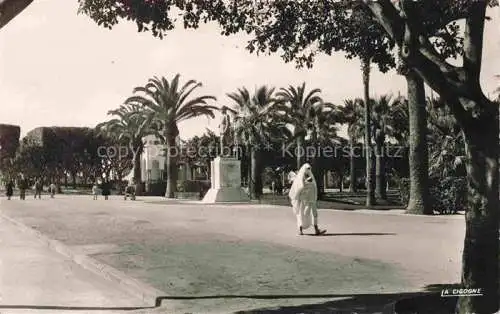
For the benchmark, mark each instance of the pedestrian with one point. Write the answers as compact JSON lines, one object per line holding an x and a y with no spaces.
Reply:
{"x":130,"y":191}
{"x":52,"y":189}
{"x":95,"y":191}
{"x":279,"y":187}
{"x":303,"y":196}
{"x":106,"y":189}
{"x":22,"y":185}
{"x":38,"y":188}
{"x":9,"y":187}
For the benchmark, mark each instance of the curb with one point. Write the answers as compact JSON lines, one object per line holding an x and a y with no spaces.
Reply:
{"x":142,"y":291}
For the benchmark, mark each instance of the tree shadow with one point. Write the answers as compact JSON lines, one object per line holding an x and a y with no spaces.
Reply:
{"x":350,"y":234}
{"x":400,"y":303}
{"x":423,"y":302}
{"x":72,"y":308}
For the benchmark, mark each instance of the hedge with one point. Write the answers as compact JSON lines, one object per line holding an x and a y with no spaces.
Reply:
{"x":447,"y":195}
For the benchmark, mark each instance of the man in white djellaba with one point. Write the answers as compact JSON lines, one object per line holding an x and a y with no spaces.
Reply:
{"x":303,"y":196}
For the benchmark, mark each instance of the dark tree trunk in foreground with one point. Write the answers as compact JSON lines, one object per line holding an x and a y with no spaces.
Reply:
{"x":480,"y":264}
{"x":352,"y":169}
{"x":460,"y":88}
{"x":370,"y":193}
{"x":419,"y":202}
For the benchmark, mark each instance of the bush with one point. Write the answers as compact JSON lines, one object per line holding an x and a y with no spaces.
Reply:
{"x":447,"y":195}
{"x":193,"y":185}
{"x":156,"y":188}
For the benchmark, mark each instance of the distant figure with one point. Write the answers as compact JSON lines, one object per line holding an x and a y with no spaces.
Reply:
{"x":279,"y":187}
{"x":95,"y":191}
{"x":22,"y":185}
{"x":38,"y":188}
{"x":130,"y":191}
{"x":303,"y":196}
{"x":106,"y":189}
{"x":9,"y":189}
{"x":52,"y":189}
{"x":273,"y":187}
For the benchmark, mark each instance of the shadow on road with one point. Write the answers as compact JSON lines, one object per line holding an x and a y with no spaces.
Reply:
{"x":71,"y":308}
{"x":397,"y":303}
{"x":425,"y":302}
{"x":350,"y":234}
{"x":429,"y":301}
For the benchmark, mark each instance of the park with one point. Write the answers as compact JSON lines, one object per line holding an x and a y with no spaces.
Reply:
{"x":184,"y":198}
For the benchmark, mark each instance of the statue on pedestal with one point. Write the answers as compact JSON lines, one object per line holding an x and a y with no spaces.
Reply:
{"x":225,"y":132}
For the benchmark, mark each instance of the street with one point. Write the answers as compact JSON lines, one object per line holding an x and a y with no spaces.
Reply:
{"x":198,"y":253}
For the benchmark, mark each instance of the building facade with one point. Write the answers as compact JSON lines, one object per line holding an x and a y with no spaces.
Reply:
{"x":153,"y":160}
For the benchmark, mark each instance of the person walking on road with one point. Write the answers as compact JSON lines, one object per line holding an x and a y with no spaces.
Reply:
{"x":303,"y":196}
{"x":130,"y":190}
{"x":52,"y":189}
{"x":95,"y":191}
{"x":22,"y":185}
{"x":38,"y":188}
{"x":106,"y":189}
{"x":9,"y":187}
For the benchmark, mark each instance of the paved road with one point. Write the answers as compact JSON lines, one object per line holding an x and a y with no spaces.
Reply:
{"x":34,"y":277}
{"x":187,"y":249}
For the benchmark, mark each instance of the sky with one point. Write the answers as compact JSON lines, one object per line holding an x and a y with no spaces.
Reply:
{"x":58,"y":68}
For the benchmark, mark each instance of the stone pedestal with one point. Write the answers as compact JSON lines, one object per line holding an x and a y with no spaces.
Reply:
{"x":225,"y":182}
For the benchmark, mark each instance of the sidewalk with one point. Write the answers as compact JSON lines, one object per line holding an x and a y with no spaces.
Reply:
{"x":35,"y":279}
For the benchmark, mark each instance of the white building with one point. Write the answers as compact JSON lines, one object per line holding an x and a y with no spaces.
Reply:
{"x":153,"y":160}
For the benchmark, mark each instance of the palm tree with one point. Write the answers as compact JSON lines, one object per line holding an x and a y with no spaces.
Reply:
{"x":132,"y":124}
{"x":366,"y":69}
{"x":446,"y":141}
{"x":383,"y":110}
{"x":418,"y":155}
{"x":254,"y":128}
{"x":323,"y":134}
{"x":169,"y":104}
{"x":351,"y":115}
{"x":399,"y":121}
{"x":298,"y":109}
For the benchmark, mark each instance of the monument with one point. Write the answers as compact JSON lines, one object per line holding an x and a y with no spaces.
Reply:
{"x":225,"y":170}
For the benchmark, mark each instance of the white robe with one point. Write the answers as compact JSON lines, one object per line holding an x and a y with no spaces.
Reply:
{"x":303,"y":196}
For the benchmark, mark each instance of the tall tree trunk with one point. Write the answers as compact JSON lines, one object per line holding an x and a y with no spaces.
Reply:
{"x":480,"y":261}
{"x":341,"y":184}
{"x":136,"y":171}
{"x":419,"y":202}
{"x":171,"y":167}
{"x":352,"y":169}
{"x":370,"y":193}
{"x":319,"y":173}
{"x":380,"y":175}
{"x":253,"y":184}
{"x":460,"y":87}
{"x":300,"y":152}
